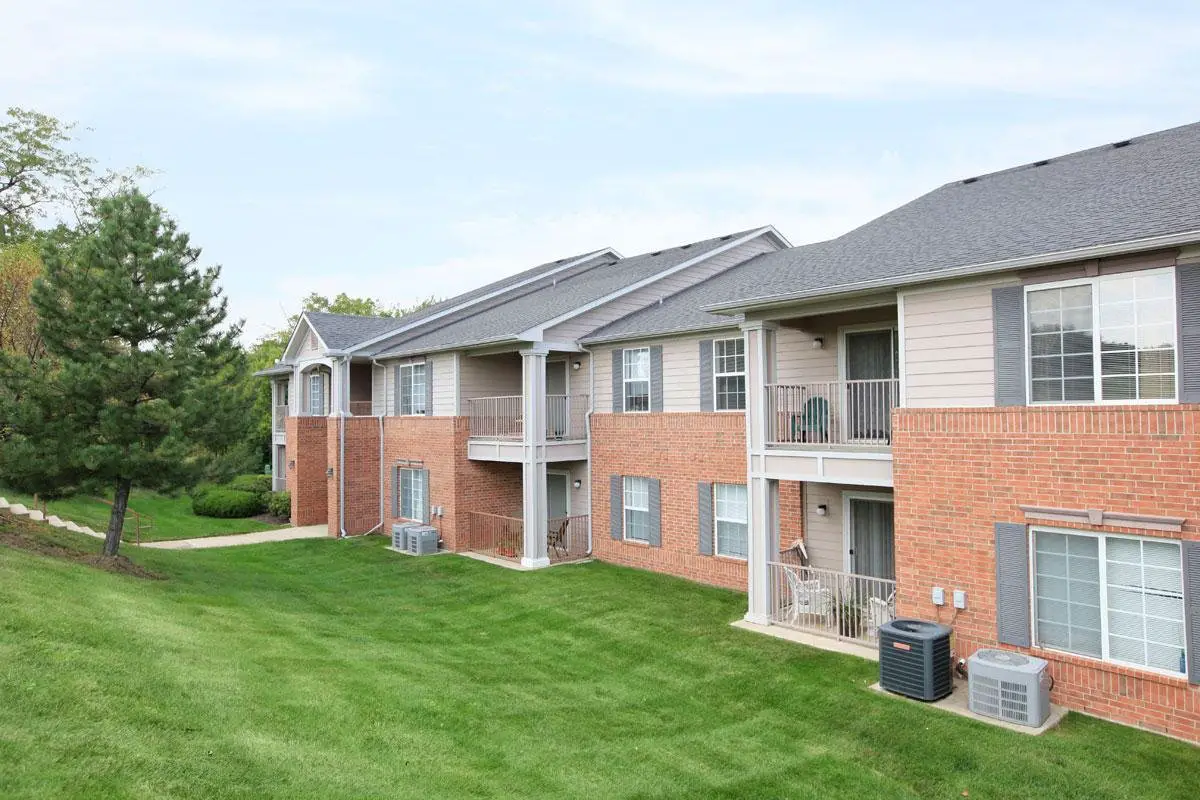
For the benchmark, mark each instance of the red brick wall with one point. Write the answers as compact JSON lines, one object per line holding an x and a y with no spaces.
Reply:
{"x":680,"y":449}
{"x":361,"y":456}
{"x":957,"y":472}
{"x":307,"y":482}
{"x":791,"y":512}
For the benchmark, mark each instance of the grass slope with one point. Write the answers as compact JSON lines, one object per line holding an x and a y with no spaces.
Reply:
{"x":328,"y":668}
{"x":172,"y":516}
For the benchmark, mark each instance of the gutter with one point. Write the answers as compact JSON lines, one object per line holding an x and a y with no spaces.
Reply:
{"x":982,"y":268}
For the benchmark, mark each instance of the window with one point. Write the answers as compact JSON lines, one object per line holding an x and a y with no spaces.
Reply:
{"x":412,"y":389}
{"x":637,"y":379}
{"x":1110,"y":339}
{"x":1119,"y":598}
{"x":414,"y":493}
{"x":316,"y":393}
{"x":729,"y":374}
{"x":637,"y":510}
{"x":729,"y":500}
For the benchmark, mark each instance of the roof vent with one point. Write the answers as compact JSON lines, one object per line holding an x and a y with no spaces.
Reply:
{"x":1122,"y":143}
{"x":684,"y":246}
{"x":969,"y":180}
{"x":1040,"y":163}
{"x":726,"y":238}
{"x":656,"y":253}
{"x":560,"y":261}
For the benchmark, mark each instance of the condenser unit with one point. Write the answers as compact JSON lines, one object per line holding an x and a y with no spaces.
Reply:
{"x":400,"y":535}
{"x":1009,"y":686}
{"x":914,"y":659}
{"x":422,"y":540}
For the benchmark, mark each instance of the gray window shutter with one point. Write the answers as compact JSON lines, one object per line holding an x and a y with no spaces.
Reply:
{"x":395,"y":492}
{"x":704,"y":500}
{"x":425,"y":494}
{"x":706,"y":376}
{"x":616,"y":507}
{"x":655,"y":512}
{"x":1012,"y":585}
{"x":1191,"y":608}
{"x":1008,"y":324}
{"x":618,"y":380}
{"x":1187,"y":312}
{"x":428,"y":388}
{"x":396,"y":391}
{"x":656,"y":378}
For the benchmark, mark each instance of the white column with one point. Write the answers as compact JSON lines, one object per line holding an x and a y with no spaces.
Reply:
{"x":760,"y":370}
{"x":339,"y":387}
{"x":533,"y":467}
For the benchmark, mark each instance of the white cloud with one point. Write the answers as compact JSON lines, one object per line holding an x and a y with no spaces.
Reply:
{"x":709,"y":48}
{"x":73,"y":50}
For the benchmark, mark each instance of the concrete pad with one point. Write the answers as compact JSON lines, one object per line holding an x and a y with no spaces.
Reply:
{"x":258,"y":537}
{"x":3,"y":503}
{"x":37,"y":516}
{"x":73,"y":528}
{"x":956,"y":703}
{"x":55,"y":522}
{"x":811,"y":639}
{"x":18,"y":510}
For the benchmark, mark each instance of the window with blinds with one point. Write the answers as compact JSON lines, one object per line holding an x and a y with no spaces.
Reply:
{"x":730,"y":514}
{"x":637,"y":509}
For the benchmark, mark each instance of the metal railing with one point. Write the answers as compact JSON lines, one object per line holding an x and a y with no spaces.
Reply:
{"x":495,"y":535}
{"x":842,"y":605}
{"x":566,"y":416}
{"x":496,"y":417}
{"x":833,"y":413}
{"x":281,"y":415}
{"x":567,"y":538}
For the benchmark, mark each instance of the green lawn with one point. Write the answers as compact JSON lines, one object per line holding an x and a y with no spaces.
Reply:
{"x":326,"y":668}
{"x":170,"y":517}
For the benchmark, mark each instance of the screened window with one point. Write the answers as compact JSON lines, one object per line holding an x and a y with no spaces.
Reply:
{"x":637,"y":379}
{"x":729,"y":374}
{"x":1110,"y":338}
{"x":414,"y":493}
{"x":316,"y":393}
{"x":1113,"y":597}
{"x":412,"y":389}
{"x":637,"y":509}
{"x":729,"y":502}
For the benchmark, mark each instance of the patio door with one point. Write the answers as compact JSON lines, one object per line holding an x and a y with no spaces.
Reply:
{"x":558,"y":495}
{"x":870,"y":537}
{"x":870,"y":364}
{"x":556,"y":399}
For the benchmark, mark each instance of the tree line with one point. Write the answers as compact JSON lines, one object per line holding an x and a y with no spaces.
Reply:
{"x":119,"y":365}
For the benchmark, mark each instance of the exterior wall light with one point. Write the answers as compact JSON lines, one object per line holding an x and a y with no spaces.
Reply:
{"x":576,"y":365}
{"x":577,"y":484}
{"x":818,"y":342}
{"x":822,"y":510}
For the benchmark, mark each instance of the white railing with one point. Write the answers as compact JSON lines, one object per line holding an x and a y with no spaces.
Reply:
{"x":496,"y":417}
{"x":281,"y":415}
{"x":833,"y":413}
{"x":566,"y":416}
{"x":830,"y":603}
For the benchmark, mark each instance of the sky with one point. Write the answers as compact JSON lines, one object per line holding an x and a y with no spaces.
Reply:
{"x":406,"y":149}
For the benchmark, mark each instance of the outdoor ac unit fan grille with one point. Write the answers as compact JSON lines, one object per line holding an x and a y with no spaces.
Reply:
{"x":1008,"y":686}
{"x":1001,"y":699}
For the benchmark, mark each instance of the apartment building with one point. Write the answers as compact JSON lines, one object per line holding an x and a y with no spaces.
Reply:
{"x":991,"y":391}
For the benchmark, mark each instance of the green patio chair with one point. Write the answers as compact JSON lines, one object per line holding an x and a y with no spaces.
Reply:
{"x":812,"y":423}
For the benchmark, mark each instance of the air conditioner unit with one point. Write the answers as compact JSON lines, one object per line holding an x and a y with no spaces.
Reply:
{"x":914,"y":659}
{"x":422,"y":540}
{"x":1009,"y":686}
{"x":400,"y":535}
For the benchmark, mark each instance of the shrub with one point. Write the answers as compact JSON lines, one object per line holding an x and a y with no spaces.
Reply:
{"x":227,"y":503}
{"x":279,"y":504}
{"x":255,"y":484}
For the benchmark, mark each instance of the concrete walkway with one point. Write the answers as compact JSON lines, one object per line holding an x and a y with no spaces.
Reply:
{"x":280,"y":535}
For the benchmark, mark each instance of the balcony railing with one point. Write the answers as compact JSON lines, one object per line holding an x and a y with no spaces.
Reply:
{"x":842,"y":605}
{"x":502,"y":417}
{"x":361,"y":408}
{"x":281,"y":415}
{"x":830,"y":414}
{"x":500,"y":536}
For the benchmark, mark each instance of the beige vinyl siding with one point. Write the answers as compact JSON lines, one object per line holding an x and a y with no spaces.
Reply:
{"x":379,"y":406}
{"x":579,"y":497}
{"x":796,"y":361}
{"x":445,"y":387}
{"x":949,"y":356}
{"x":825,"y":536}
{"x":489,"y":376}
{"x":304,"y":345}
{"x":681,"y":370}
{"x":589,"y":321}
{"x":389,"y":380}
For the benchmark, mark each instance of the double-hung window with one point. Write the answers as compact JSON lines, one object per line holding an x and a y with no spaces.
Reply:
{"x":1105,"y":339}
{"x":729,"y":501}
{"x":316,"y":393}
{"x":412,"y":389}
{"x":636,"y":367}
{"x":414,"y":493}
{"x":729,"y":374}
{"x":637,"y":509}
{"x":1119,"y":598}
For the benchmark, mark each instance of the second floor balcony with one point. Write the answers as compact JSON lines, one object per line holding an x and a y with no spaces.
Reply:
{"x":831,"y":414}
{"x":497,"y":426}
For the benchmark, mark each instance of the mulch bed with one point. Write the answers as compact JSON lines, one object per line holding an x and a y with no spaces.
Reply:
{"x":45,"y":541}
{"x":271,"y":519}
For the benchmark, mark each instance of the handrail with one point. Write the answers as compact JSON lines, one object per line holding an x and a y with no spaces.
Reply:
{"x":854,"y":413}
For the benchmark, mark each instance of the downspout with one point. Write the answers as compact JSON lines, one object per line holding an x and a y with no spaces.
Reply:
{"x":342,"y":450}
{"x":382,"y":469}
{"x":588,"y":421}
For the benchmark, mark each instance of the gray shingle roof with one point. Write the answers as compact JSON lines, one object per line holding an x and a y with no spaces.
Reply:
{"x":547,"y":300}
{"x":1104,"y":195}
{"x":340,"y":331}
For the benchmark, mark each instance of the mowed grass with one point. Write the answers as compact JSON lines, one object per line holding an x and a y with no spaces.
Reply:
{"x":170,"y":517}
{"x":325,"y":669}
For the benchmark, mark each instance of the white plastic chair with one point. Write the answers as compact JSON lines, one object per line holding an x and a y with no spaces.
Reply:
{"x":808,"y":597}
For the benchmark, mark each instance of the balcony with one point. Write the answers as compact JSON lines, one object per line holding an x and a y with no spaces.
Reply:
{"x":361,"y":408}
{"x":497,"y":427}
{"x":279,"y":419}
{"x":840,"y":605}
{"x":502,"y":537}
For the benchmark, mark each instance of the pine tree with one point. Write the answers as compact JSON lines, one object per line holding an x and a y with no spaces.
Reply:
{"x":140,"y":384}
